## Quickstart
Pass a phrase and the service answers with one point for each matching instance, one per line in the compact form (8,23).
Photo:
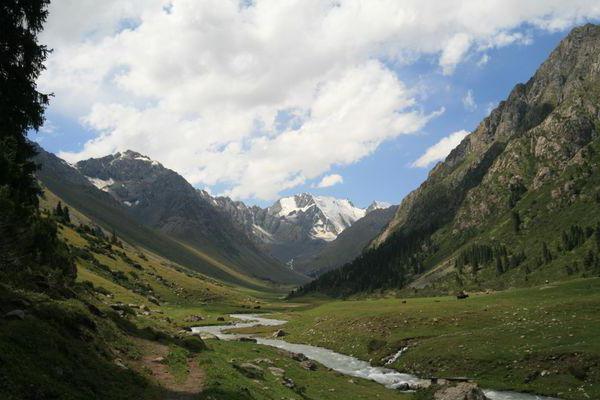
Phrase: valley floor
(125,333)
(544,340)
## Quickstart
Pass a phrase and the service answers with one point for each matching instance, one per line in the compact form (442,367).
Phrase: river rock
(309,365)
(298,357)
(462,391)
(220,319)
(205,336)
(250,370)
(279,333)
(246,339)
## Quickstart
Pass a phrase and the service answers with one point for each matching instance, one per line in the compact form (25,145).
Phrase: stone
(220,319)
(250,370)
(298,357)
(289,383)
(309,365)
(462,295)
(276,371)
(205,336)
(15,314)
(158,360)
(462,391)
(279,333)
(119,363)
(404,386)
(247,339)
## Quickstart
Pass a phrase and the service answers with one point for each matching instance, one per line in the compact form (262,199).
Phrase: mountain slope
(162,199)
(349,244)
(507,205)
(70,185)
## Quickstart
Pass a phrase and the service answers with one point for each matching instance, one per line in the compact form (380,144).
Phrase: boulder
(15,314)
(279,333)
(462,391)
(462,295)
(246,339)
(289,383)
(309,365)
(276,371)
(220,319)
(249,370)
(298,357)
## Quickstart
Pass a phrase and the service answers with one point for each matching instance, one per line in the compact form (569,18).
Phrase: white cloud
(441,149)
(469,101)
(330,180)
(203,86)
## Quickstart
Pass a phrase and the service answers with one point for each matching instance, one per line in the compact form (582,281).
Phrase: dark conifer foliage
(21,105)
(30,252)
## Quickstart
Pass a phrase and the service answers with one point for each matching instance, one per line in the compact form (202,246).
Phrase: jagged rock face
(529,138)
(296,226)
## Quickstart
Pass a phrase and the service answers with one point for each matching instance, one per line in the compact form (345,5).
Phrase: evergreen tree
(21,105)
(499,266)
(66,215)
(58,211)
(546,255)
(31,248)
(516,221)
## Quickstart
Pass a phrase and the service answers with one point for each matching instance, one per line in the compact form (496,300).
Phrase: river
(341,363)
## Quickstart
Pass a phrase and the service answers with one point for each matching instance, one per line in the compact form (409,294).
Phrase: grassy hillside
(122,334)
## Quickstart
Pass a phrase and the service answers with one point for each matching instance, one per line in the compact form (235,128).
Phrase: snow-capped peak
(328,216)
(378,205)
(133,155)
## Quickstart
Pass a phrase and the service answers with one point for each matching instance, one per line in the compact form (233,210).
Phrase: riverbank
(539,340)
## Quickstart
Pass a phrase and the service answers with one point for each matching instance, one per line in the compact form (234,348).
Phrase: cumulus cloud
(330,180)
(441,149)
(469,101)
(261,96)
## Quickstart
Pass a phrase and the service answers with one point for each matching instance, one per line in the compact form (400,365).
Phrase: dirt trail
(151,364)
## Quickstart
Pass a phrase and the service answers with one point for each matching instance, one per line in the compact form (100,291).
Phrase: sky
(260,99)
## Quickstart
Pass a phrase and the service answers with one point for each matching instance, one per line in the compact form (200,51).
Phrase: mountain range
(295,228)
(260,243)
(515,203)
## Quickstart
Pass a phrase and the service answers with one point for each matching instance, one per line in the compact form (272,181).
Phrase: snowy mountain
(327,216)
(296,226)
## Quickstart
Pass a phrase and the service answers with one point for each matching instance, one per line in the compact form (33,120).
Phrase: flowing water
(339,362)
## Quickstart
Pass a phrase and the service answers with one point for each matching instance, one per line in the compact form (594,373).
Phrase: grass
(543,340)
(226,382)
(177,360)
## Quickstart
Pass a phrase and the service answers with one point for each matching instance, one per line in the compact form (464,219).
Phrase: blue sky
(387,175)
(214,103)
